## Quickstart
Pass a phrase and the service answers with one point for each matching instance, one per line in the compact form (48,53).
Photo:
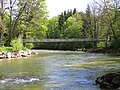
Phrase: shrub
(29,45)
(116,43)
(16,44)
(101,44)
(25,49)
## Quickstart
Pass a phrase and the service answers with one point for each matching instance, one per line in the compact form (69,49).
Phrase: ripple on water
(17,81)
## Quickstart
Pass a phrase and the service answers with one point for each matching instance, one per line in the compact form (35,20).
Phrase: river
(56,70)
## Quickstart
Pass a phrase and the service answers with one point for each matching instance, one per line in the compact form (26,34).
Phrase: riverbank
(27,53)
(110,51)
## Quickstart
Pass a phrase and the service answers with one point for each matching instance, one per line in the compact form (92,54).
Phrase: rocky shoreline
(15,54)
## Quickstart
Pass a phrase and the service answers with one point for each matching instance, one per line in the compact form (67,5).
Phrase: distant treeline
(30,19)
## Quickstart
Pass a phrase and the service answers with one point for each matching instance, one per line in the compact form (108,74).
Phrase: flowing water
(56,70)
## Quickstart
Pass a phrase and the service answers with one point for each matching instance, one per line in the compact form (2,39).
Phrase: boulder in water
(109,81)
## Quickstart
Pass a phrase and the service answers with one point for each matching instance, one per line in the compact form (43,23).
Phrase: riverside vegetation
(17,50)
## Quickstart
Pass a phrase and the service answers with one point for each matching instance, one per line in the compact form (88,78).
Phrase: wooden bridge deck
(62,40)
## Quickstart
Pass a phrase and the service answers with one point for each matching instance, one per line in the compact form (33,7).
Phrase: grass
(5,49)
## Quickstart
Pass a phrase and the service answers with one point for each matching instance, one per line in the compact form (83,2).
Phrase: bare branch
(20,13)
(14,3)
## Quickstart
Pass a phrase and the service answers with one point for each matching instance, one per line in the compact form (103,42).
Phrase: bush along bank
(16,50)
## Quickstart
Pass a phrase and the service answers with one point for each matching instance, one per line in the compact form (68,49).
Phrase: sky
(55,7)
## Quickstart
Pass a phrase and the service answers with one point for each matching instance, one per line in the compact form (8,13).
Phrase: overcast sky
(55,7)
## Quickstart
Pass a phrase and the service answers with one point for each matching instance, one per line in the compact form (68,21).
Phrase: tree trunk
(17,19)
(1,28)
(11,31)
(95,28)
(0,37)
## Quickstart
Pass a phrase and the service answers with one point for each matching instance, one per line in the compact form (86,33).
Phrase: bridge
(61,40)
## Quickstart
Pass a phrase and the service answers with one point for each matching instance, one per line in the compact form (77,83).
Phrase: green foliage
(116,43)
(87,23)
(72,28)
(16,44)
(101,44)
(110,22)
(64,16)
(25,49)
(52,26)
(27,16)
(29,45)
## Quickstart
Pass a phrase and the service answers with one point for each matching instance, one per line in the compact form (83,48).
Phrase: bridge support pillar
(95,44)
(20,37)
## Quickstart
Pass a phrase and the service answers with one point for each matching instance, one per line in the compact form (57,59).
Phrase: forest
(30,18)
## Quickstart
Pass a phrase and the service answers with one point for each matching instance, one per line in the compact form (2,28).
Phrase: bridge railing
(62,40)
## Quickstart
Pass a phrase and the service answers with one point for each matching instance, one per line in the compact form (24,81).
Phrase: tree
(110,10)
(34,19)
(72,28)
(24,16)
(74,11)
(53,31)
(14,14)
(87,20)
(64,16)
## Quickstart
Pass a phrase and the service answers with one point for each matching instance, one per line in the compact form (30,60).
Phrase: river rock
(29,52)
(15,54)
(2,55)
(33,52)
(109,81)
(24,53)
(8,55)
